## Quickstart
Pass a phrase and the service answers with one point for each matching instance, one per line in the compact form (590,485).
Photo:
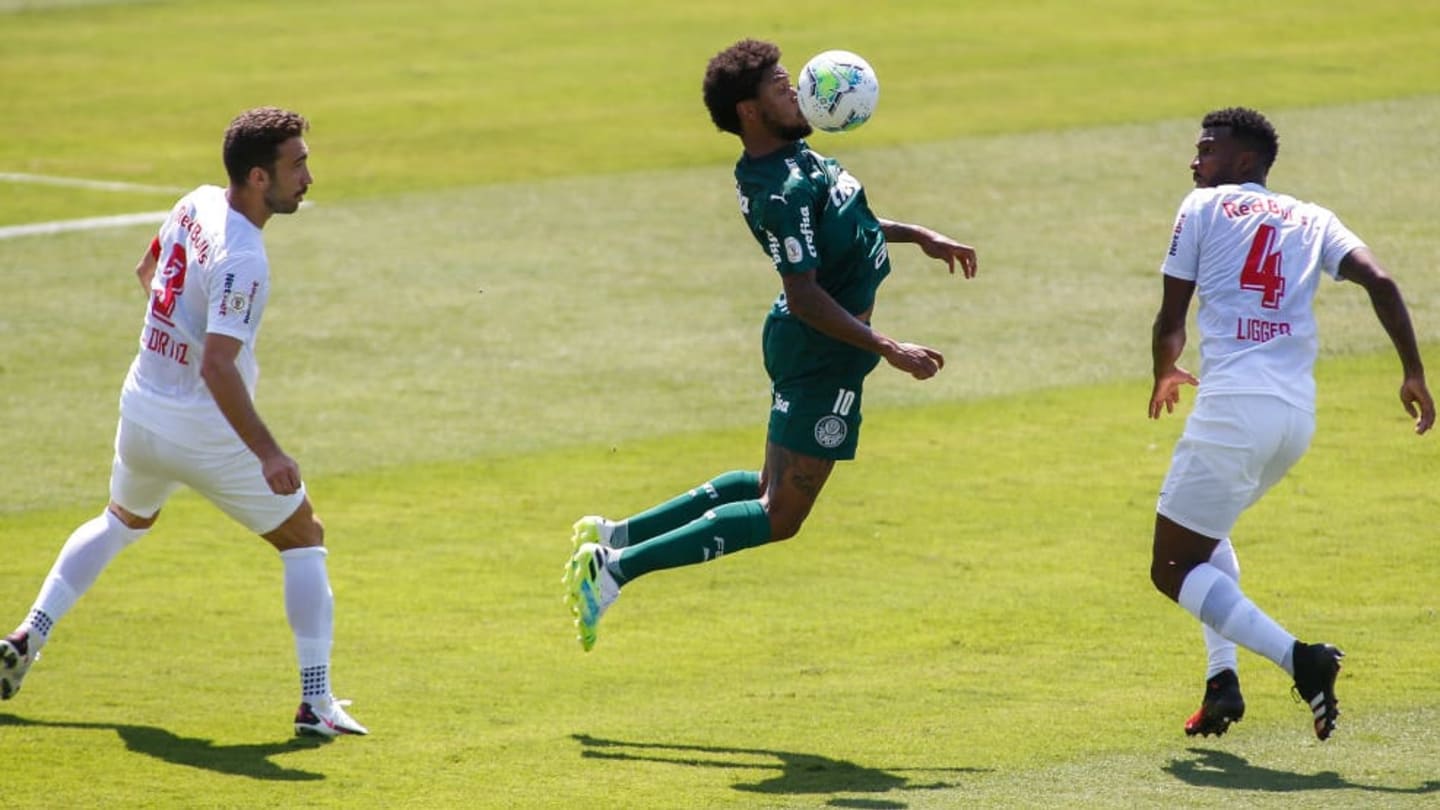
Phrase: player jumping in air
(1255,257)
(811,218)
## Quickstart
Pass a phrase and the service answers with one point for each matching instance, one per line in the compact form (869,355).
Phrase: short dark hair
(1249,127)
(734,75)
(254,138)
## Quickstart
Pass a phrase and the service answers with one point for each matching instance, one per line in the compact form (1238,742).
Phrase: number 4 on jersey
(1261,272)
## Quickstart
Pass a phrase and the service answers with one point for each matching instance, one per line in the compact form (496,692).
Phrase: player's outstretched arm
(936,245)
(1361,267)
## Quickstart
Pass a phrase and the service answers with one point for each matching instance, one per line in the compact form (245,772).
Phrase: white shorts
(148,468)
(1235,447)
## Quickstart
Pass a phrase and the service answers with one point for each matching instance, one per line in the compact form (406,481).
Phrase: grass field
(523,294)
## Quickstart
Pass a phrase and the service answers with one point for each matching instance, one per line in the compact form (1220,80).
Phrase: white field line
(86,224)
(80,182)
(91,223)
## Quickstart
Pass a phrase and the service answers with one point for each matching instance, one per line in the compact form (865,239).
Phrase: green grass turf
(506,309)
(449,93)
(485,321)
(986,629)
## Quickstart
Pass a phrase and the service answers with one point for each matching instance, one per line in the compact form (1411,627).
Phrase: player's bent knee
(1167,576)
(130,519)
(784,526)
(303,529)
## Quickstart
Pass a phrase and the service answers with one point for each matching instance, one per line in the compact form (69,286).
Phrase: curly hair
(734,75)
(1250,128)
(254,138)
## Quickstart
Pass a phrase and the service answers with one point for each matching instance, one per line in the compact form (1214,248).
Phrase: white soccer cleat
(326,718)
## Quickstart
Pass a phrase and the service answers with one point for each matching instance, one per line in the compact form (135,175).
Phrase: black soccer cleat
(15,660)
(1316,667)
(1221,706)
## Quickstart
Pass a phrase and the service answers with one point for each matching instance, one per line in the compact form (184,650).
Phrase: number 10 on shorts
(844,401)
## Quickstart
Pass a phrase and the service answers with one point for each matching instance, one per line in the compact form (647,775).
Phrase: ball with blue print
(838,91)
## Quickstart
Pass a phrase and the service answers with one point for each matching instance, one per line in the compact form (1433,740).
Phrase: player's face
(1219,159)
(291,178)
(780,107)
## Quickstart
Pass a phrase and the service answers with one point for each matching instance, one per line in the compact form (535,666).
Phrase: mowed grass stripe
(447,93)
(493,321)
(969,600)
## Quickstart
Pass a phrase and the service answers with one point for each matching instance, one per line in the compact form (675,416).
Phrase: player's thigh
(1217,467)
(142,477)
(819,413)
(234,483)
(793,481)
(1292,429)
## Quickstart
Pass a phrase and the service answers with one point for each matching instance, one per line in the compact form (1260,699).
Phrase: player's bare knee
(1167,576)
(785,524)
(130,519)
(302,530)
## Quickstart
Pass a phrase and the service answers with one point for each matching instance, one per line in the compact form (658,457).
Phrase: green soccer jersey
(808,213)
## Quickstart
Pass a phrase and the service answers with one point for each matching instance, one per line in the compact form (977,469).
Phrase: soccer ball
(838,91)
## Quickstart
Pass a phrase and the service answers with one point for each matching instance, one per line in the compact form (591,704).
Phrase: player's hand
(920,362)
(1166,393)
(942,247)
(281,473)
(1415,396)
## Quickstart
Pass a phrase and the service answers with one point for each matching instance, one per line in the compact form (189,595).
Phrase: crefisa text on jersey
(1259,330)
(165,345)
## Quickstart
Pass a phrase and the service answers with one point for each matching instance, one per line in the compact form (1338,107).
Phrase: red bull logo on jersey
(196,236)
(1264,205)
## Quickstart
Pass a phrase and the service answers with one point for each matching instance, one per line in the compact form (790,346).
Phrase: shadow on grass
(1219,769)
(252,761)
(795,773)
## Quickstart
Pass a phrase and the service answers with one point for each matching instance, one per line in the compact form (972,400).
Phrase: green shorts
(816,383)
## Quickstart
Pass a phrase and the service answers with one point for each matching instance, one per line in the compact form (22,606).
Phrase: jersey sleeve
(786,226)
(235,284)
(1183,259)
(1336,243)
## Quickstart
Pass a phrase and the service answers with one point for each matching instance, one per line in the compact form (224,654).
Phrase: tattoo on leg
(792,469)
(807,483)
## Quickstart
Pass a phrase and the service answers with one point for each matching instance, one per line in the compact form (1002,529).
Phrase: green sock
(726,529)
(738,485)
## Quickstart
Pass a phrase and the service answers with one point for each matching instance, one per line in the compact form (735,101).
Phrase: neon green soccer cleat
(589,589)
(594,529)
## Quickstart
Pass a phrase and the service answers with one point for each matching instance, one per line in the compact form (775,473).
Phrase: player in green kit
(811,217)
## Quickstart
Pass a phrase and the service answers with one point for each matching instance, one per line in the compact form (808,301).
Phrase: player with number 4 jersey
(1255,258)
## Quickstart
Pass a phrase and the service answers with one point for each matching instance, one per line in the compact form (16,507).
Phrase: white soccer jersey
(1254,256)
(212,276)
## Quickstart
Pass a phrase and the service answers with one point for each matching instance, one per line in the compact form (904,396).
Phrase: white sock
(1220,651)
(90,548)
(310,607)
(1215,599)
